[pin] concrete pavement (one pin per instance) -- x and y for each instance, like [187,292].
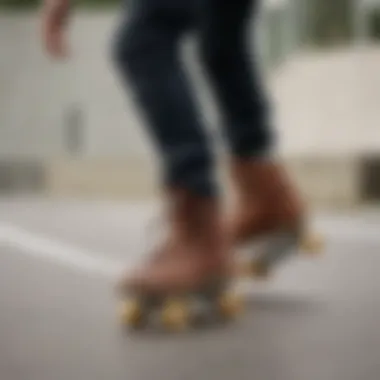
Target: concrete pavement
[317,319]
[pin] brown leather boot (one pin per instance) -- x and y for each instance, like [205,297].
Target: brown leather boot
[267,210]
[265,199]
[194,254]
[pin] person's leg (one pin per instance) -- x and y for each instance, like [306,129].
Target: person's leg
[148,57]
[232,69]
[265,199]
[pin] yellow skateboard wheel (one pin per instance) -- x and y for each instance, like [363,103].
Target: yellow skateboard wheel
[312,244]
[230,305]
[131,313]
[175,315]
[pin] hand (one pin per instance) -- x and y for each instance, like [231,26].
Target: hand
[54,19]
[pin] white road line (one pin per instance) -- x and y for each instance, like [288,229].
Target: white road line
[58,252]
[89,262]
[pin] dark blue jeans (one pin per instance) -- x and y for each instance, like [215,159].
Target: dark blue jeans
[147,53]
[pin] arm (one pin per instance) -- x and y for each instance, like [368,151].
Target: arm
[54,17]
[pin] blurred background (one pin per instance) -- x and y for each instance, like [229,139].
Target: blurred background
[78,186]
[69,130]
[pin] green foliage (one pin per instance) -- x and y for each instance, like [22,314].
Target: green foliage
[29,4]
[18,3]
[374,25]
[332,22]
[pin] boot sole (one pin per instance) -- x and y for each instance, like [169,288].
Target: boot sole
[279,247]
[178,312]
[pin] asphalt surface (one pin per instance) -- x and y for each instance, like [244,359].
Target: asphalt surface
[318,319]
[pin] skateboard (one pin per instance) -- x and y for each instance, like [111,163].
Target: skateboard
[179,312]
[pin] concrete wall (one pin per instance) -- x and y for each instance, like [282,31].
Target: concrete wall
[38,95]
[326,114]
[32,91]
[332,182]
[326,102]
